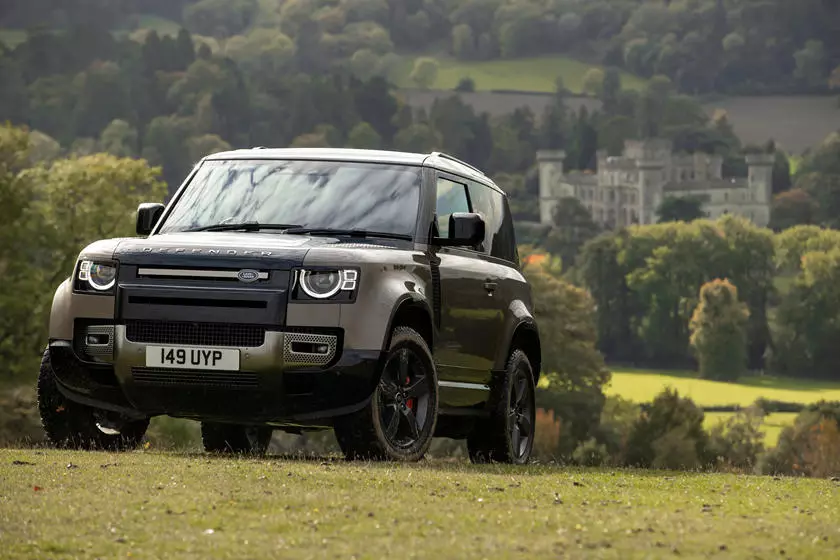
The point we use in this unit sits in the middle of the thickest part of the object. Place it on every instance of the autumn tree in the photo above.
(718, 331)
(572, 365)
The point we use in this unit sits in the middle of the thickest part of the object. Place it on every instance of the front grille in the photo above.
(195, 334)
(195, 378)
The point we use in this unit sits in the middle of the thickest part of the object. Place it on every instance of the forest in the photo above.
(732, 46)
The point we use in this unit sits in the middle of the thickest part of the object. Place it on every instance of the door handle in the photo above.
(490, 287)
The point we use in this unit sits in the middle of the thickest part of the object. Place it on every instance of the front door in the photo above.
(468, 319)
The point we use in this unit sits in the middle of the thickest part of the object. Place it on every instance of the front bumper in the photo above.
(275, 384)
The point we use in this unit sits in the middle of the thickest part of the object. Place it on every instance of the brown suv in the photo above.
(376, 293)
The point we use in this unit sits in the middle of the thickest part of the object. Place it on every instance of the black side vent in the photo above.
(435, 269)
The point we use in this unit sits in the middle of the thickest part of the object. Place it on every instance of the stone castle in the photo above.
(628, 189)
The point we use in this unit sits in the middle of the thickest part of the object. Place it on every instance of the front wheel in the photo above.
(399, 421)
(507, 436)
(235, 438)
(72, 425)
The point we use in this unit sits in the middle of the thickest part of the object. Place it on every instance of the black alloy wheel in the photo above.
(399, 421)
(521, 415)
(507, 436)
(404, 394)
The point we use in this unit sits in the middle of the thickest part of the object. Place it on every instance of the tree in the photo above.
(810, 63)
(71, 203)
(424, 72)
(792, 208)
(573, 227)
(718, 331)
(572, 365)
(593, 81)
(806, 340)
(119, 139)
(219, 18)
(364, 136)
(680, 209)
(262, 52)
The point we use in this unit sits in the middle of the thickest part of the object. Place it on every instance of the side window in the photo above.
(485, 204)
(451, 198)
(498, 238)
(504, 243)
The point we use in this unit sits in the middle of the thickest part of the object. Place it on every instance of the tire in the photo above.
(507, 436)
(399, 421)
(235, 438)
(72, 425)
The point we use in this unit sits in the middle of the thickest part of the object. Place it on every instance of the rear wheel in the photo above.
(507, 436)
(399, 421)
(235, 438)
(72, 425)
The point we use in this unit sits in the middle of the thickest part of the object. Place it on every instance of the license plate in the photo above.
(181, 357)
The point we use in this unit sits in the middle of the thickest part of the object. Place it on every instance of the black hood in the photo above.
(222, 249)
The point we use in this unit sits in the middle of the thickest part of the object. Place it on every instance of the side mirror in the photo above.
(465, 229)
(148, 215)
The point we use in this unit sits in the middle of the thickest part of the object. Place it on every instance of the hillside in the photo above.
(534, 74)
(796, 123)
(147, 504)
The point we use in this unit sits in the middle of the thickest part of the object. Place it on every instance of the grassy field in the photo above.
(12, 37)
(60, 504)
(642, 386)
(526, 74)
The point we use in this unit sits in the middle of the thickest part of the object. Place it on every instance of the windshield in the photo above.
(310, 194)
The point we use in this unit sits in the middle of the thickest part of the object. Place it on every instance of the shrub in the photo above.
(811, 447)
(718, 331)
(675, 449)
(174, 433)
(617, 420)
(590, 453)
(19, 419)
(738, 443)
(546, 434)
(672, 416)
(465, 84)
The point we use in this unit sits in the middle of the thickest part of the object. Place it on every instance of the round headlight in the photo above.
(320, 284)
(102, 276)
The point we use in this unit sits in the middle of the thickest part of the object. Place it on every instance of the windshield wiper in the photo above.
(244, 226)
(348, 233)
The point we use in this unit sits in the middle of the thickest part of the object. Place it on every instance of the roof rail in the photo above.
(456, 160)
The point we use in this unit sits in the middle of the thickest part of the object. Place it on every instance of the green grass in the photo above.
(156, 505)
(536, 74)
(12, 37)
(643, 386)
(772, 427)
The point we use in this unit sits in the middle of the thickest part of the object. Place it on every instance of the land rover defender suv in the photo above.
(376, 293)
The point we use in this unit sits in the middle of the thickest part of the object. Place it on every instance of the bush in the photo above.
(546, 435)
(738, 443)
(20, 423)
(656, 431)
(675, 449)
(718, 331)
(616, 425)
(590, 453)
(174, 434)
(811, 447)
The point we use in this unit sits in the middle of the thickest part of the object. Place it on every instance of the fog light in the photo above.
(97, 339)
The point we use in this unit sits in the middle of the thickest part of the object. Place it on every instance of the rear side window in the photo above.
(498, 237)
(451, 198)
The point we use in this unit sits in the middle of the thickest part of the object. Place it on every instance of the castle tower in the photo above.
(652, 157)
(760, 178)
(550, 167)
